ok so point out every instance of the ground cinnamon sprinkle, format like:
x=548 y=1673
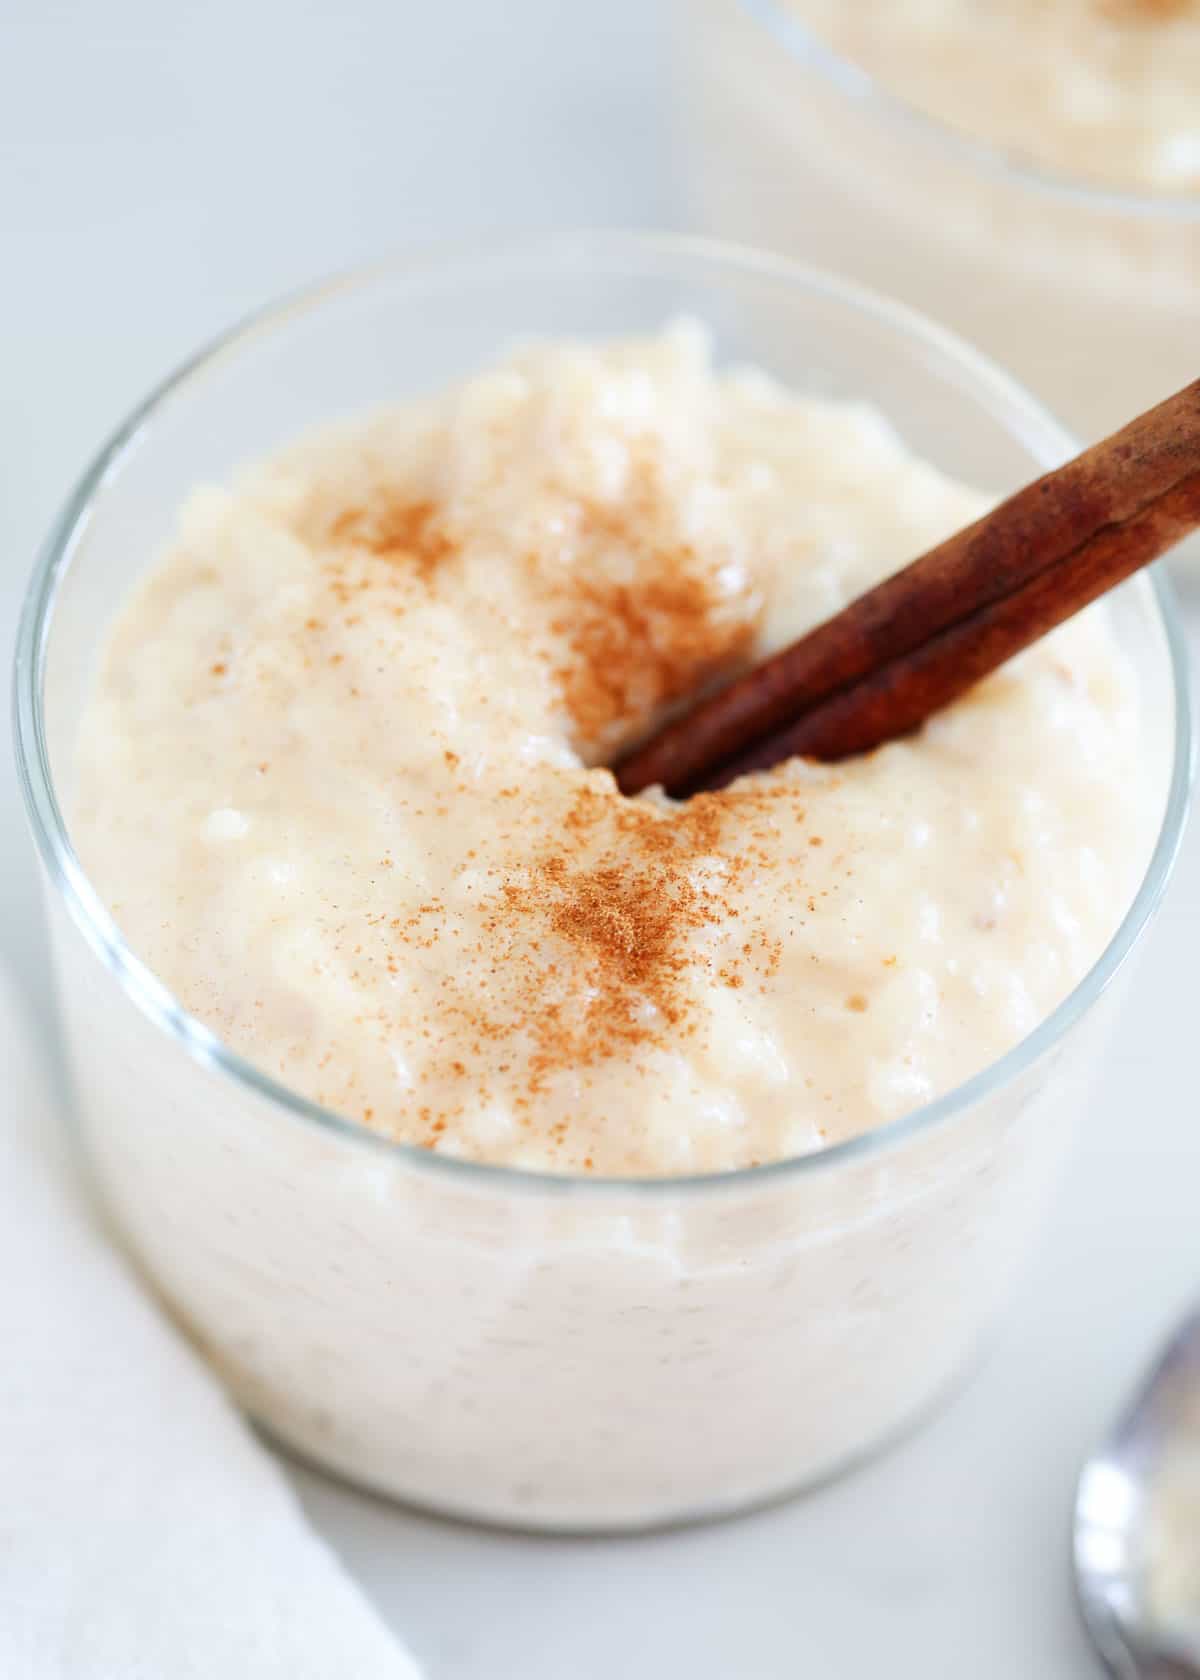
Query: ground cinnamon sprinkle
x=632 y=646
x=398 y=529
x=601 y=941
x=613 y=935
x=1147 y=11
x=636 y=647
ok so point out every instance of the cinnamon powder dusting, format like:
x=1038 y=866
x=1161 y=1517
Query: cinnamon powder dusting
x=653 y=631
x=620 y=650
x=634 y=648
x=625 y=915
x=611 y=940
x=398 y=529
x=1147 y=11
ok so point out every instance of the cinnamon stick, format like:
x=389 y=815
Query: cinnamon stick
x=923 y=637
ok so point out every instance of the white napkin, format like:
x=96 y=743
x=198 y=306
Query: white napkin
x=144 y=1534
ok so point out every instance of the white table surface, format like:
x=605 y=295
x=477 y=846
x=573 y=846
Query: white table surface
x=161 y=170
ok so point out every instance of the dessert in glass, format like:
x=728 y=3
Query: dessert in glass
x=511 y=1146
x=1028 y=173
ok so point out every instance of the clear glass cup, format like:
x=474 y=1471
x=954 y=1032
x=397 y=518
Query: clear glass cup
x=499 y=1344
x=1091 y=296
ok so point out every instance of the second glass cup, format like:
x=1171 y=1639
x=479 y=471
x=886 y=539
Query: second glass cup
x=1089 y=295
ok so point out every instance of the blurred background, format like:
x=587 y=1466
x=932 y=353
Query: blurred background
x=163 y=170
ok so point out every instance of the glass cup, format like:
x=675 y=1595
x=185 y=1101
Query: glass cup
x=506 y=1345
x=1089 y=295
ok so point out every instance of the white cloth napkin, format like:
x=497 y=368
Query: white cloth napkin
x=144 y=1534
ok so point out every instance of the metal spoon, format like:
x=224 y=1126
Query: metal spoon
x=1137 y=1525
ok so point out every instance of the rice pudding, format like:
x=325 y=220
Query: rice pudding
x=342 y=779
x=1101 y=90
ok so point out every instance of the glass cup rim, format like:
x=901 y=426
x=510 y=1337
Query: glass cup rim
x=163 y=1010
x=800 y=43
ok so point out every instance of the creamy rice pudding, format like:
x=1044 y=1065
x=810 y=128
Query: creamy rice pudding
x=342 y=778
x=1103 y=90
